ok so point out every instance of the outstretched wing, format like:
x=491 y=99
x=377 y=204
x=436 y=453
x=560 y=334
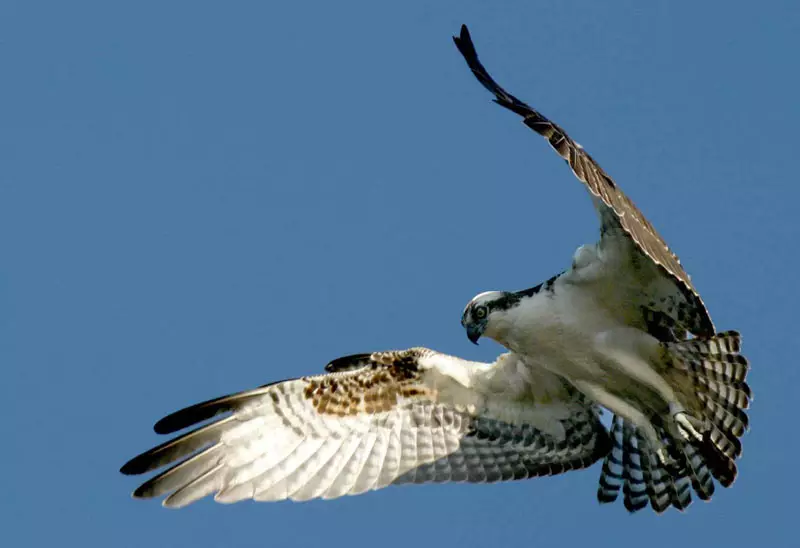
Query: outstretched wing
x=410 y=416
x=615 y=208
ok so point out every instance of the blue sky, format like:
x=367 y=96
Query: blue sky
x=197 y=198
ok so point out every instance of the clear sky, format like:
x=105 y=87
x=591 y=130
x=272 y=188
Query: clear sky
x=201 y=197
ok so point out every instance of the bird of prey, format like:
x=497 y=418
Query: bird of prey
x=611 y=331
x=616 y=326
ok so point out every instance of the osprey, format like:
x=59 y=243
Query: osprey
x=615 y=325
x=609 y=331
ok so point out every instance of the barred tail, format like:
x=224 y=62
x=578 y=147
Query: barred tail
x=634 y=468
x=717 y=373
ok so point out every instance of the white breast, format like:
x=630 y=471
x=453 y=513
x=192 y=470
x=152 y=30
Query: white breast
x=556 y=330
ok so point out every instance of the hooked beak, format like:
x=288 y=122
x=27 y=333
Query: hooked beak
x=474 y=333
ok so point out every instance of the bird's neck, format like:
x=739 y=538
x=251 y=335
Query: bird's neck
x=512 y=325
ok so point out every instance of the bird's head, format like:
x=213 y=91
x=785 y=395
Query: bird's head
x=483 y=314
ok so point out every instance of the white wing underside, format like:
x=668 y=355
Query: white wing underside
x=442 y=419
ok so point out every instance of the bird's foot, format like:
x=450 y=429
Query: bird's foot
x=688 y=426
x=666 y=460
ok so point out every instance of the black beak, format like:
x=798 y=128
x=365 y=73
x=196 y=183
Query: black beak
x=473 y=335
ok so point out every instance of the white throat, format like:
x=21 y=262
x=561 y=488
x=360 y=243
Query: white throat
x=511 y=327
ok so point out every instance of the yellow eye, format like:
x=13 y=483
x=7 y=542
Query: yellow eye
x=481 y=312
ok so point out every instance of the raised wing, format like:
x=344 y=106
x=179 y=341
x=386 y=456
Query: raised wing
x=615 y=208
x=411 y=416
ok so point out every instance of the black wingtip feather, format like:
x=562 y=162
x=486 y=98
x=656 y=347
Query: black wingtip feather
x=174 y=449
x=348 y=363
x=502 y=97
x=464 y=42
x=130 y=468
x=191 y=415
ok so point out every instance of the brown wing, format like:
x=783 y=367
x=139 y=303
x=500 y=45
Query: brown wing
x=607 y=194
x=373 y=421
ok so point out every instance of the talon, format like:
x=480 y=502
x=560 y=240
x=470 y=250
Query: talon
x=686 y=426
x=672 y=466
x=666 y=461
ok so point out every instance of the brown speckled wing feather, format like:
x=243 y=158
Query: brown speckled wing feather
x=374 y=420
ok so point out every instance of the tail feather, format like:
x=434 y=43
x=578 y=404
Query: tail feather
x=633 y=467
x=612 y=477
x=720 y=396
x=676 y=477
x=683 y=492
x=635 y=488
x=737 y=394
x=662 y=489
x=729 y=418
x=720 y=453
x=700 y=476
x=724 y=342
x=716 y=358
x=717 y=372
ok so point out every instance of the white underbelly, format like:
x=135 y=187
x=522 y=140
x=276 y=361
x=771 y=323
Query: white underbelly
x=560 y=334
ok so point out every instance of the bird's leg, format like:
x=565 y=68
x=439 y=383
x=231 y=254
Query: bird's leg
x=639 y=357
x=687 y=425
x=635 y=353
x=630 y=413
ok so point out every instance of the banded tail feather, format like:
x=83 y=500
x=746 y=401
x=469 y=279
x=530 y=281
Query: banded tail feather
x=721 y=396
x=718 y=374
x=634 y=467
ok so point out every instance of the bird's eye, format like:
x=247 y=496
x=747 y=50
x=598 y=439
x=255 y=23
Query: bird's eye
x=481 y=312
